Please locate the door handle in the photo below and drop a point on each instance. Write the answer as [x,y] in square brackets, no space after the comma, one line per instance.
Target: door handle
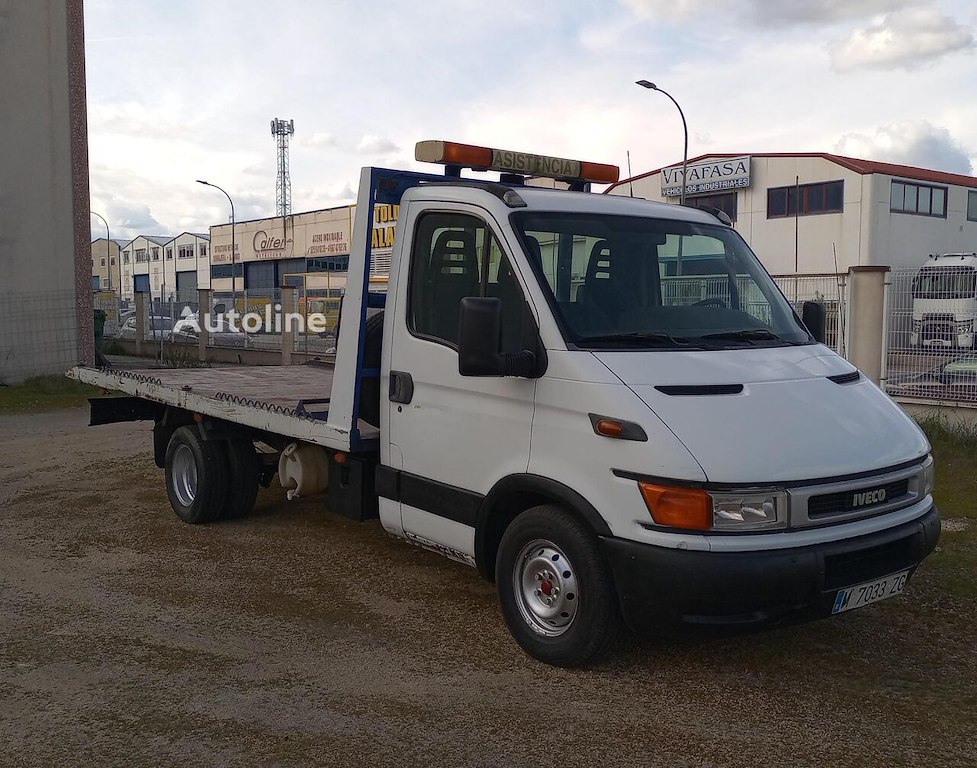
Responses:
[401,387]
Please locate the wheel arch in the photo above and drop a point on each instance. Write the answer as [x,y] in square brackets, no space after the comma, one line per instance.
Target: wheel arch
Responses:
[513,495]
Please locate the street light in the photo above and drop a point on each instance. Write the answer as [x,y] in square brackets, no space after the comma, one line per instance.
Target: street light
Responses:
[233,241]
[108,246]
[685,128]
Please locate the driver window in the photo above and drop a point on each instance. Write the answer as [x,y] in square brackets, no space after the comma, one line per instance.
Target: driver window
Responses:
[456,255]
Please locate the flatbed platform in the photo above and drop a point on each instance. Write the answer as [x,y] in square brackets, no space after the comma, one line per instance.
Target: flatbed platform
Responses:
[284,400]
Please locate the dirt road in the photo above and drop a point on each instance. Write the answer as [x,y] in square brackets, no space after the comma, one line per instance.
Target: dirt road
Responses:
[296,638]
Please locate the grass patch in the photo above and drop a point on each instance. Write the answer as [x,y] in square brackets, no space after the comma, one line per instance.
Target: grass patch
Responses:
[955,453]
[45,393]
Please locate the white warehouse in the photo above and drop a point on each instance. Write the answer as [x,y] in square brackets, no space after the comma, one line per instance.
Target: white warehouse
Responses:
[851,212]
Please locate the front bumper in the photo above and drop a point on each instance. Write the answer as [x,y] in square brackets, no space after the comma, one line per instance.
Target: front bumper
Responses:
[659,587]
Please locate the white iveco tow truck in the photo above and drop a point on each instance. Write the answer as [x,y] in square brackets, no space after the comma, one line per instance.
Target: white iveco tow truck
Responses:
[547,398]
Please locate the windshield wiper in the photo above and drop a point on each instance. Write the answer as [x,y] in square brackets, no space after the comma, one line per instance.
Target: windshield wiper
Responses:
[644,338]
[749,334]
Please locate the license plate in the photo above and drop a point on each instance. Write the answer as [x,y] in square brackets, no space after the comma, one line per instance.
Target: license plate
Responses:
[870,592]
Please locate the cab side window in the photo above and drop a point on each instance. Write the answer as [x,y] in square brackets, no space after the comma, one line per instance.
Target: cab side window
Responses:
[456,255]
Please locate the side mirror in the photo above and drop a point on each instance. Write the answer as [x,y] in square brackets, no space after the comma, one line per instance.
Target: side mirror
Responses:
[480,342]
[813,315]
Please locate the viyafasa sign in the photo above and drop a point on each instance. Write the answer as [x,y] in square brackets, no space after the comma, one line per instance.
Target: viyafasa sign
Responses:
[709,176]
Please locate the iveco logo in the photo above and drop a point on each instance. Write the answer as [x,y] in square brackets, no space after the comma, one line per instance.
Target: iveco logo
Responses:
[868,497]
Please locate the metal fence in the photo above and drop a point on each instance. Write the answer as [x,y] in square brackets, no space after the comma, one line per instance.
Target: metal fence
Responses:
[38,334]
[929,344]
[831,290]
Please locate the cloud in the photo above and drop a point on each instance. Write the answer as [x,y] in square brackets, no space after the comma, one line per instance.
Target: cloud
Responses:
[376,145]
[791,12]
[765,12]
[916,143]
[669,10]
[904,40]
[320,139]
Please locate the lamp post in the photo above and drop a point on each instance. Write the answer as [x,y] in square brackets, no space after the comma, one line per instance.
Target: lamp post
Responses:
[685,128]
[108,247]
[233,241]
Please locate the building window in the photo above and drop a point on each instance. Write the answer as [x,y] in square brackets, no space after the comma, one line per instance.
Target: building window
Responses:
[185,252]
[113,261]
[918,199]
[140,254]
[225,270]
[103,261]
[203,249]
[725,202]
[169,254]
[155,254]
[972,205]
[823,197]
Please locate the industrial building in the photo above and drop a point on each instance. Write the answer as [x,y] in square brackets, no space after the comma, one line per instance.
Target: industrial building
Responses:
[815,212]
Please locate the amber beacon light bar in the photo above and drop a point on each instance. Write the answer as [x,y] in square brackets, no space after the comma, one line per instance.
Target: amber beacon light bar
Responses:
[505,161]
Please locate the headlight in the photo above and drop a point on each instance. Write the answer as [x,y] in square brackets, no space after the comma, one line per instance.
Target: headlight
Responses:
[748,512]
[929,475]
[696,509]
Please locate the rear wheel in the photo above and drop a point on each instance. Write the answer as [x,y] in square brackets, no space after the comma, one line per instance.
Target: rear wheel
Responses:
[242,479]
[556,592]
[196,476]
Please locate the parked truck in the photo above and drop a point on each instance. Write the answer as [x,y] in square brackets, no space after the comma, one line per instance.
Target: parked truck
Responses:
[530,402]
[945,302]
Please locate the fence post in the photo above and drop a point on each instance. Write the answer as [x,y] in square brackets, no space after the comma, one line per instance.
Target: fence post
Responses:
[866,326]
[203,313]
[140,321]
[288,334]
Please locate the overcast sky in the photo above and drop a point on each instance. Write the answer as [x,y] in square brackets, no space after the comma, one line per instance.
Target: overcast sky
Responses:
[183,89]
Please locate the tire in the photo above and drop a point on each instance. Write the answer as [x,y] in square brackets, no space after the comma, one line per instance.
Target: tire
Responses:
[370,388]
[196,476]
[546,548]
[242,479]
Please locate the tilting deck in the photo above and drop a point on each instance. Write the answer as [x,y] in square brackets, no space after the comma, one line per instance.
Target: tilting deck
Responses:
[284,400]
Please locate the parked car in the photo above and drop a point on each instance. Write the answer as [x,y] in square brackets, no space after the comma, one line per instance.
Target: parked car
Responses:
[157,327]
[187,330]
[955,380]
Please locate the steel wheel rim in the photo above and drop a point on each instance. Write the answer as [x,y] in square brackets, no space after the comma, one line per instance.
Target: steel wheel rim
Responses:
[544,584]
[184,475]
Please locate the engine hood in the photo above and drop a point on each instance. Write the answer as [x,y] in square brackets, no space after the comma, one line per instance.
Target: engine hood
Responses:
[790,422]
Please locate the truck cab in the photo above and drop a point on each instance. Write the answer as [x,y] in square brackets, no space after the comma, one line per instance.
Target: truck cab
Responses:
[544,352]
[945,302]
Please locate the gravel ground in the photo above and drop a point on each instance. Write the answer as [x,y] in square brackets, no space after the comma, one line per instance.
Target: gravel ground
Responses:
[295,638]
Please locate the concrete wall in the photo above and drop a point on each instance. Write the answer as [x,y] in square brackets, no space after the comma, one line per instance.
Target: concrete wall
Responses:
[45,236]
[905,240]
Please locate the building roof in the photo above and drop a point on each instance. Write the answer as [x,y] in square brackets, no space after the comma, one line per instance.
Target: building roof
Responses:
[158,239]
[851,163]
[192,234]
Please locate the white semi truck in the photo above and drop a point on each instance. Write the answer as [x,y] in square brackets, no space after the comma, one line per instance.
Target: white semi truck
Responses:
[945,302]
[531,402]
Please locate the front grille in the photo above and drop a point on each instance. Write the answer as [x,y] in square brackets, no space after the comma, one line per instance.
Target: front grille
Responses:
[844,501]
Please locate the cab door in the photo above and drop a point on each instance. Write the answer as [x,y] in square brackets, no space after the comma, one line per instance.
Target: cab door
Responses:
[454,436]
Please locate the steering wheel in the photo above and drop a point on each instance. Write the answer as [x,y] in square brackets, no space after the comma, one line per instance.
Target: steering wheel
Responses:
[715,301]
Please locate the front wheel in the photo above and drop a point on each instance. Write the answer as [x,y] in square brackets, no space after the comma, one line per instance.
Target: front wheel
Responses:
[556,592]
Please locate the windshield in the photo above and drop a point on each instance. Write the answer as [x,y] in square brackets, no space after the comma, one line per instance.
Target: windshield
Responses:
[945,283]
[617,281]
